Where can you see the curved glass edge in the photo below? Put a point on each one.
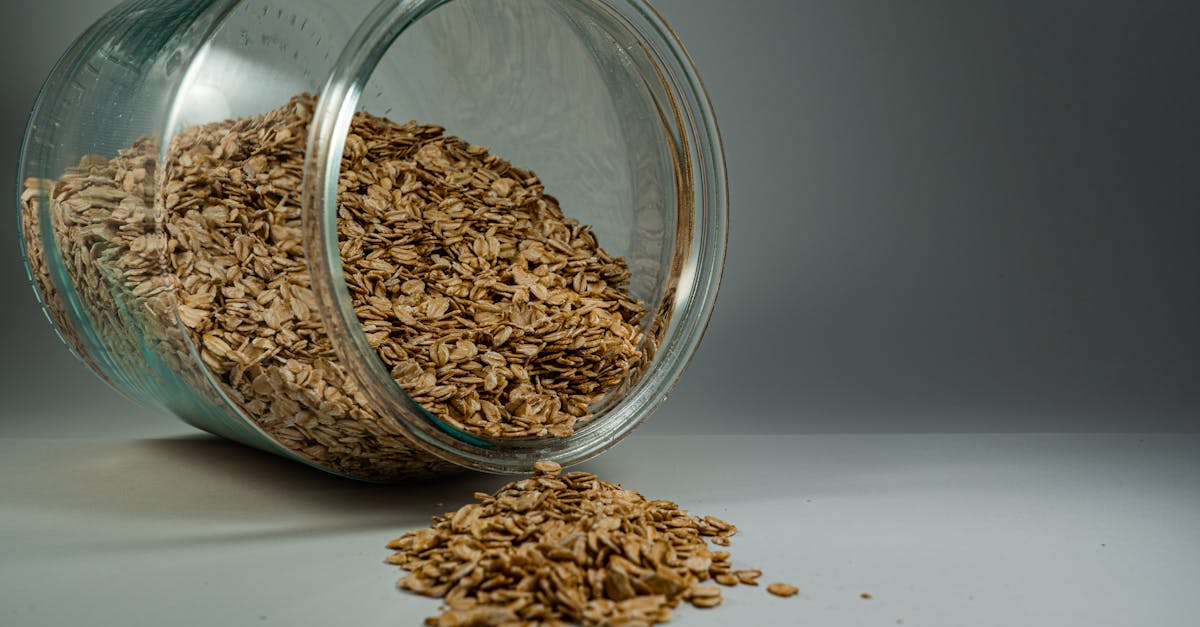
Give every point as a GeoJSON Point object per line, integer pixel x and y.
{"type": "Point", "coordinates": [64, 326]}
{"type": "Point", "coordinates": [218, 413]}
{"type": "Point", "coordinates": [326, 138]}
{"type": "Point", "coordinates": [699, 252]}
{"type": "Point", "coordinates": [121, 38]}
{"type": "Point", "coordinates": [134, 43]}
{"type": "Point", "coordinates": [201, 400]}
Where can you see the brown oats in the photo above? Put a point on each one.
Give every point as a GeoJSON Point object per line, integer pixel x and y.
{"type": "Point", "coordinates": [563, 547]}
{"type": "Point", "coordinates": [493, 310]}
{"type": "Point", "coordinates": [749, 576]}
{"type": "Point", "coordinates": [496, 312]}
{"type": "Point", "coordinates": [547, 468]}
{"type": "Point", "coordinates": [782, 589]}
{"type": "Point", "coordinates": [726, 579]}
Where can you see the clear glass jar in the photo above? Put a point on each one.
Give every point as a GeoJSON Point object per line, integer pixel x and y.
{"type": "Point", "coordinates": [596, 96]}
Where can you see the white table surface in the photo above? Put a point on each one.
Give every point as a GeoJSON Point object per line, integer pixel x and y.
{"type": "Point", "coordinates": [941, 530]}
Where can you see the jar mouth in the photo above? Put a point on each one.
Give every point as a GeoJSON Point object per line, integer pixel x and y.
{"type": "Point", "coordinates": [680, 141]}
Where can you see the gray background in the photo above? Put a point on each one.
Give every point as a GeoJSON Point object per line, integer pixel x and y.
{"type": "Point", "coordinates": [947, 216]}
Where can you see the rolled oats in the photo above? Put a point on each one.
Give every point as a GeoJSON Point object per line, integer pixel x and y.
{"type": "Point", "coordinates": [782, 589]}
{"type": "Point", "coordinates": [564, 547]}
{"type": "Point", "coordinates": [493, 310]}
{"type": "Point", "coordinates": [496, 312]}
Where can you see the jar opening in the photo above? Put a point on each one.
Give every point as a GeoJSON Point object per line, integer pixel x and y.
{"type": "Point", "coordinates": [599, 100]}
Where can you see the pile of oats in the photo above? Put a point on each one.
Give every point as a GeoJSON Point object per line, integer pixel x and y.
{"type": "Point", "coordinates": [493, 310]}
{"type": "Point", "coordinates": [566, 548]}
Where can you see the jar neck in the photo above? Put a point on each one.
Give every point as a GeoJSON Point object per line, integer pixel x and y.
{"type": "Point", "coordinates": [627, 33]}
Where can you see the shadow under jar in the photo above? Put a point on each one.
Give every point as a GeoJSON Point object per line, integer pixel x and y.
{"type": "Point", "coordinates": [223, 206]}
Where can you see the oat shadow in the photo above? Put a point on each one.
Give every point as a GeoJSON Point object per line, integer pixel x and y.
{"type": "Point", "coordinates": [193, 486]}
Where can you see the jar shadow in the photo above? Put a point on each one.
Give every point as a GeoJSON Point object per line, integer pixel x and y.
{"type": "Point", "coordinates": [203, 489]}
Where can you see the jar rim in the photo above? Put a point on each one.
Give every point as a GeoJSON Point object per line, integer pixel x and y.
{"type": "Point", "coordinates": [701, 191]}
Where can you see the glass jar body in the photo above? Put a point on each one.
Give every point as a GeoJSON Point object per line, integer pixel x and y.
{"type": "Point", "coordinates": [233, 312]}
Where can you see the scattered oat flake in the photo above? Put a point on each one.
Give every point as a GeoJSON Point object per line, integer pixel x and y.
{"type": "Point", "coordinates": [547, 468]}
{"type": "Point", "coordinates": [780, 589]}
{"type": "Point", "coordinates": [726, 579]}
{"type": "Point", "coordinates": [748, 576]}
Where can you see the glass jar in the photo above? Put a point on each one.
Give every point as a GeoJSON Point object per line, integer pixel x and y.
{"type": "Point", "coordinates": [595, 96]}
